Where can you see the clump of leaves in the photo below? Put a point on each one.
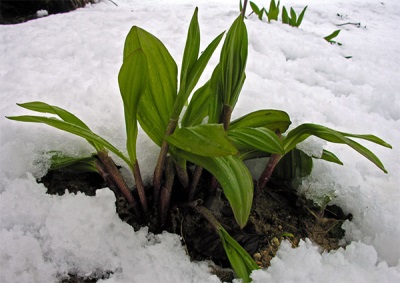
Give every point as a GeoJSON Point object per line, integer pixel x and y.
{"type": "Point", "coordinates": [292, 19]}
{"type": "Point", "coordinates": [203, 135]}
{"type": "Point", "coordinates": [273, 11]}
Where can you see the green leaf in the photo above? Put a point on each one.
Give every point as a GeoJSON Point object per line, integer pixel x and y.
{"type": "Point", "coordinates": [192, 48]}
{"type": "Point", "coordinates": [332, 35]}
{"type": "Point", "coordinates": [193, 76]}
{"type": "Point", "coordinates": [329, 156]}
{"type": "Point", "coordinates": [300, 19]}
{"type": "Point", "coordinates": [270, 119]}
{"type": "Point", "coordinates": [132, 81]}
{"type": "Point", "coordinates": [62, 113]}
{"type": "Point", "coordinates": [255, 8]}
{"type": "Point", "coordinates": [285, 16]}
{"type": "Point", "coordinates": [293, 17]}
{"type": "Point", "coordinates": [234, 178]}
{"type": "Point", "coordinates": [252, 154]}
{"type": "Point", "coordinates": [273, 11]}
{"type": "Point", "coordinates": [197, 70]}
{"type": "Point", "coordinates": [240, 260]}
{"type": "Point", "coordinates": [73, 129]}
{"type": "Point", "coordinates": [370, 138]}
{"type": "Point", "coordinates": [197, 109]}
{"type": "Point", "coordinates": [215, 104]}
{"type": "Point", "coordinates": [156, 104]}
{"type": "Point", "coordinates": [262, 139]}
{"type": "Point", "coordinates": [303, 131]}
{"type": "Point", "coordinates": [295, 164]}
{"type": "Point", "coordinates": [76, 164]}
{"type": "Point", "coordinates": [233, 62]}
{"type": "Point", "coordinates": [205, 140]}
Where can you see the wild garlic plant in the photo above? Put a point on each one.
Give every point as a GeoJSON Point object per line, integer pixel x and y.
{"type": "Point", "coordinates": [152, 97]}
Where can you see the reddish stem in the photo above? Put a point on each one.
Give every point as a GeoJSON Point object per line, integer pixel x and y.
{"type": "Point", "coordinates": [140, 188]}
{"type": "Point", "coordinates": [269, 168]}
{"type": "Point", "coordinates": [115, 175]}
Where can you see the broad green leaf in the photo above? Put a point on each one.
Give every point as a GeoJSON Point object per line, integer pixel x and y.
{"type": "Point", "coordinates": [295, 164]}
{"type": "Point", "coordinates": [303, 131]}
{"type": "Point", "coordinates": [332, 35]}
{"type": "Point", "coordinates": [205, 140]}
{"type": "Point", "coordinates": [262, 139]}
{"type": "Point", "coordinates": [156, 104]}
{"type": "Point", "coordinates": [234, 178]}
{"type": "Point", "coordinates": [132, 81]}
{"type": "Point", "coordinates": [329, 156]}
{"type": "Point", "coordinates": [62, 113]}
{"type": "Point", "coordinates": [300, 19]}
{"type": "Point", "coordinates": [197, 109]}
{"type": "Point", "coordinates": [233, 62]}
{"type": "Point", "coordinates": [73, 129]}
{"type": "Point", "coordinates": [270, 119]}
{"type": "Point", "coordinates": [242, 263]}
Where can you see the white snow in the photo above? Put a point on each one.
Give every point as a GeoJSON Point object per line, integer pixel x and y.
{"type": "Point", "coordinates": [72, 60]}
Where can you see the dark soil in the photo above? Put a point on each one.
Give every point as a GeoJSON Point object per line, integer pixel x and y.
{"type": "Point", "coordinates": [278, 213]}
{"type": "Point", "coordinates": [18, 11]}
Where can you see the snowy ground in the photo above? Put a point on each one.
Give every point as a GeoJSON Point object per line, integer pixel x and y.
{"type": "Point", "coordinates": [72, 60]}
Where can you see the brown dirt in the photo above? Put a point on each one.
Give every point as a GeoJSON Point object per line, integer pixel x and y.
{"type": "Point", "coordinates": [278, 213]}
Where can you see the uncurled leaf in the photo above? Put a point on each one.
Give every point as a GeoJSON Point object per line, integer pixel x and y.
{"type": "Point", "coordinates": [132, 81]}
{"type": "Point", "coordinates": [156, 104]}
{"type": "Point", "coordinates": [73, 129]}
{"type": "Point", "coordinates": [274, 120]}
{"type": "Point", "coordinates": [60, 112]}
{"type": "Point", "coordinates": [234, 178]}
{"type": "Point", "coordinates": [303, 131]}
{"type": "Point", "coordinates": [262, 139]}
{"type": "Point", "coordinates": [205, 140]}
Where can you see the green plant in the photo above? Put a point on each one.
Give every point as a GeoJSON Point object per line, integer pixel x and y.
{"type": "Point", "coordinates": [292, 20]}
{"type": "Point", "coordinates": [148, 81]}
{"type": "Point", "coordinates": [273, 11]}
{"type": "Point", "coordinates": [259, 12]}
{"type": "Point", "coordinates": [330, 37]}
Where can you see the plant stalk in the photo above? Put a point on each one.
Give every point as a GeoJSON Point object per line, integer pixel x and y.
{"type": "Point", "coordinates": [226, 116]}
{"type": "Point", "coordinates": [244, 9]}
{"type": "Point", "coordinates": [158, 171]}
{"type": "Point", "coordinates": [207, 215]}
{"type": "Point", "coordinates": [165, 195]}
{"type": "Point", "coordinates": [195, 181]}
{"type": "Point", "coordinates": [115, 175]}
{"type": "Point", "coordinates": [140, 188]}
{"type": "Point", "coordinates": [269, 168]}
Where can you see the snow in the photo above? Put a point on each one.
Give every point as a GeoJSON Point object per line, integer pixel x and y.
{"type": "Point", "coordinates": [72, 60]}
